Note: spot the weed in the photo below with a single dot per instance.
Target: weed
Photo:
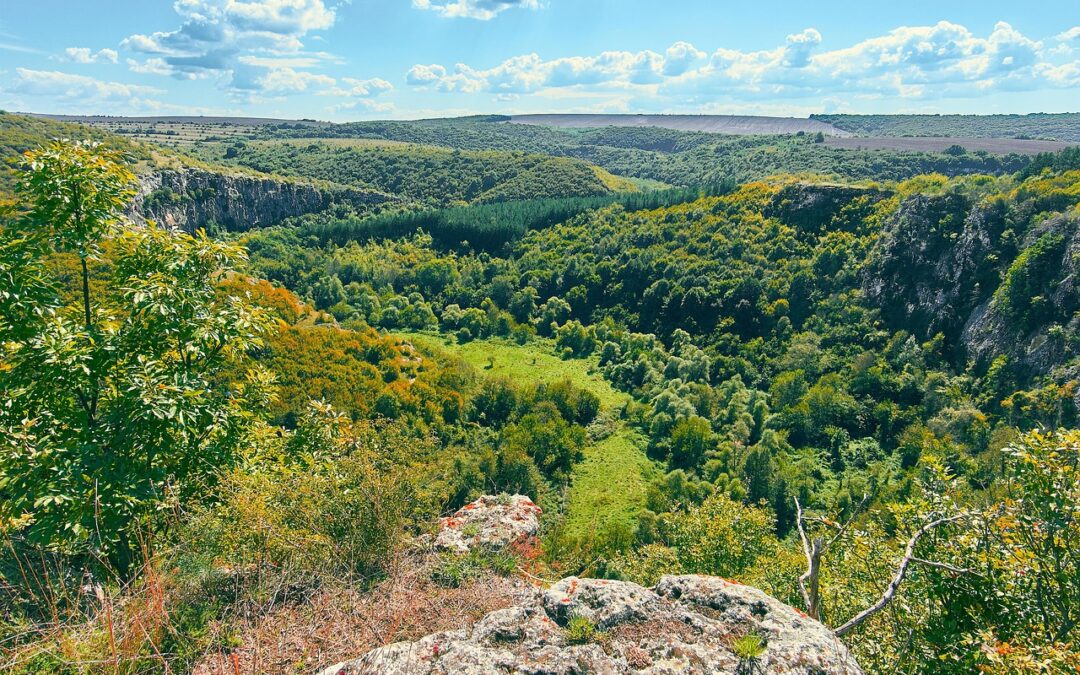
(749, 646)
(581, 630)
(454, 571)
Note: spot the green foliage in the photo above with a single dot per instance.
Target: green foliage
(488, 226)
(113, 409)
(455, 570)
(581, 630)
(553, 444)
(1020, 295)
(322, 504)
(21, 133)
(428, 176)
(749, 647)
(719, 537)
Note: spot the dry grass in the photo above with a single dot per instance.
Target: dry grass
(341, 623)
(293, 631)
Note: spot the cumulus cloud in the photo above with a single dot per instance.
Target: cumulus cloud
(484, 10)
(366, 88)
(681, 57)
(220, 36)
(944, 59)
(254, 48)
(1071, 35)
(799, 48)
(421, 74)
(70, 87)
(87, 55)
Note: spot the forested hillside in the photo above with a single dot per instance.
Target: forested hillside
(429, 176)
(673, 157)
(837, 376)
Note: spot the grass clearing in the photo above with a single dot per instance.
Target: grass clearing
(608, 487)
(534, 362)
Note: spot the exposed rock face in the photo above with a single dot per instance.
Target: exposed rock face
(932, 265)
(814, 208)
(490, 522)
(942, 259)
(686, 624)
(990, 332)
(189, 199)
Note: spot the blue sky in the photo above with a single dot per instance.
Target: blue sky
(362, 59)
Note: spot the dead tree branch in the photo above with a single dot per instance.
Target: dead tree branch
(901, 572)
(809, 581)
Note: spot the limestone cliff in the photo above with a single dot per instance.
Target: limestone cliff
(191, 198)
(995, 277)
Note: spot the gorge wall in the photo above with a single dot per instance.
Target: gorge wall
(189, 199)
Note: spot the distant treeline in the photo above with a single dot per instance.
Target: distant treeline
(1063, 160)
(491, 226)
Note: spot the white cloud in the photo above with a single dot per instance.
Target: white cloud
(1071, 35)
(87, 55)
(484, 10)
(366, 88)
(70, 87)
(255, 49)
(682, 56)
(279, 81)
(942, 60)
(421, 74)
(248, 38)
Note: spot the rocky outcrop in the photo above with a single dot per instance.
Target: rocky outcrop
(992, 330)
(491, 522)
(941, 262)
(813, 208)
(686, 624)
(189, 199)
(932, 265)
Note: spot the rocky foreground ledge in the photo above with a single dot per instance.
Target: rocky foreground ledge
(685, 624)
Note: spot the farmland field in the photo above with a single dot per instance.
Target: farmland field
(738, 125)
(999, 146)
(180, 131)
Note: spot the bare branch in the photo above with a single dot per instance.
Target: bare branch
(944, 566)
(840, 532)
(809, 556)
(901, 572)
(809, 581)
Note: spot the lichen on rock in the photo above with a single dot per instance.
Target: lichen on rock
(491, 522)
(686, 624)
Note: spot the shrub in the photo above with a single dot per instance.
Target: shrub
(316, 508)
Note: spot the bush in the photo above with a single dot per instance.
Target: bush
(317, 509)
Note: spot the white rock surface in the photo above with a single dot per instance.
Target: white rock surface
(685, 625)
(490, 522)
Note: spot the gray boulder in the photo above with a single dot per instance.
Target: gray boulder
(491, 522)
(686, 624)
